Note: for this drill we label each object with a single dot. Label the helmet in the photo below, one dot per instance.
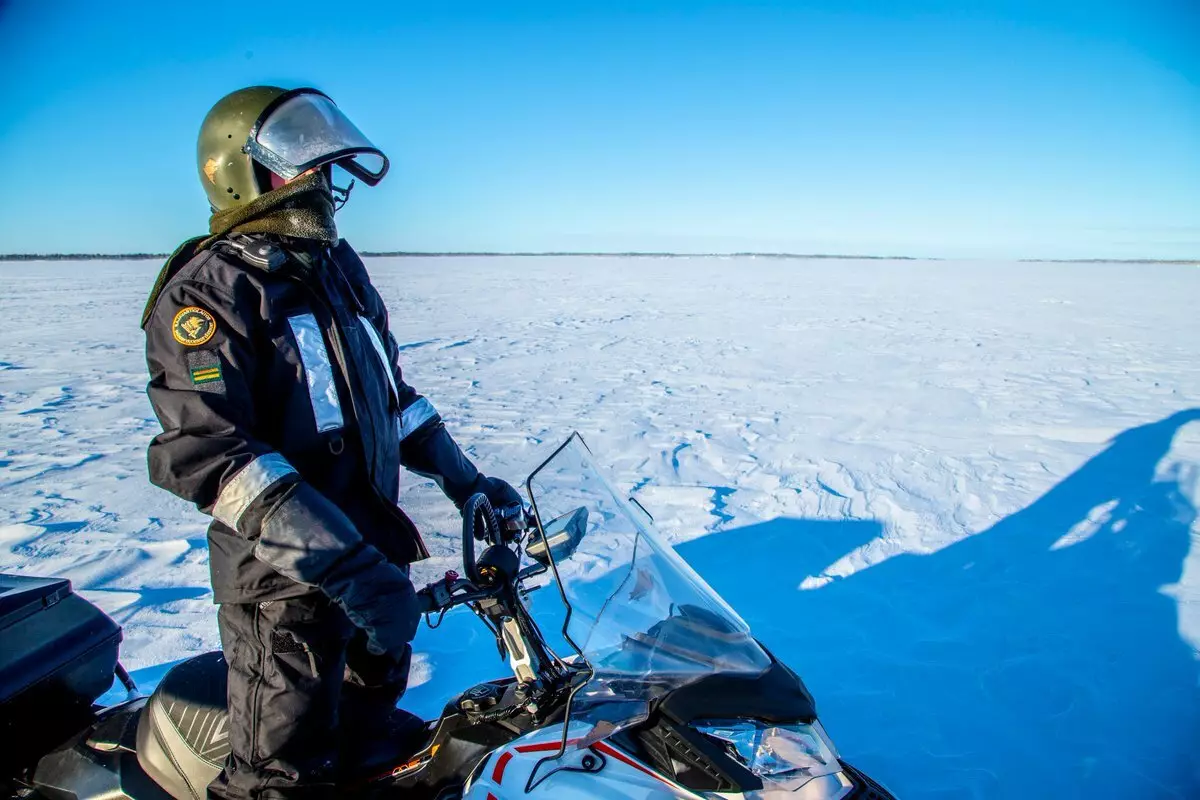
(260, 130)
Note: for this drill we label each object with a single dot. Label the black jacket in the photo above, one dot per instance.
(272, 367)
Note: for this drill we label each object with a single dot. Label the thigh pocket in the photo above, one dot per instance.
(307, 640)
(296, 653)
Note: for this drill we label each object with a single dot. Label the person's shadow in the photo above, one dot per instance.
(1012, 664)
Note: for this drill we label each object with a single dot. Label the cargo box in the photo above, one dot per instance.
(57, 651)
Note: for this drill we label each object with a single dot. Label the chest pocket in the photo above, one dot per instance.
(377, 344)
(318, 372)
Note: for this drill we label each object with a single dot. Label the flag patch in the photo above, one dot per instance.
(204, 368)
(206, 375)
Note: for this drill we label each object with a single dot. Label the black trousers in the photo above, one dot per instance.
(303, 690)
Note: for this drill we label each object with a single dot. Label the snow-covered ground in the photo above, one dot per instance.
(959, 498)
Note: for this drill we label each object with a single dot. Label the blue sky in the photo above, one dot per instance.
(983, 129)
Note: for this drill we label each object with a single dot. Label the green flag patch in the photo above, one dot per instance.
(204, 367)
(207, 375)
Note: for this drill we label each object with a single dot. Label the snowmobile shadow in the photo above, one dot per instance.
(1009, 664)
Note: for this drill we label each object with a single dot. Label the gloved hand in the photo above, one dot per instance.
(500, 494)
(378, 598)
(309, 539)
(507, 504)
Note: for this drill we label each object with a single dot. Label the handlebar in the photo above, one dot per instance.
(483, 523)
(441, 596)
(480, 522)
(492, 590)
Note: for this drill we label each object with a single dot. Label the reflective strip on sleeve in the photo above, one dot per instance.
(322, 391)
(415, 416)
(377, 343)
(248, 485)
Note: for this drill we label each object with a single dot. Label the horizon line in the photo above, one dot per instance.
(620, 254)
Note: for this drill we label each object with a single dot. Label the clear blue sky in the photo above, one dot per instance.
(986, 129)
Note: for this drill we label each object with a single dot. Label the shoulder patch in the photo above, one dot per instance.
(193, 326)
(204, 368)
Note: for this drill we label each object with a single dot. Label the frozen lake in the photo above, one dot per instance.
(959, 498)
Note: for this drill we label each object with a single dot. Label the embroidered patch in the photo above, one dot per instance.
(206, 375)
(204, 367)
(193, 326)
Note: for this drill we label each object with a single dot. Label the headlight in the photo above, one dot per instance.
(784, 757)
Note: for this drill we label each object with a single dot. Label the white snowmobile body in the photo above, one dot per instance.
(603, 770)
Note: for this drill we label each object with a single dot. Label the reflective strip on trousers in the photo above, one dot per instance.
(377, 343)
(318, 371)
(249, 484)
(415, 416)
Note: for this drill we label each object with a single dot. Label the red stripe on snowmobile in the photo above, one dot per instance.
(491, 796)
(543, 747)
(608, 750)
(501, 763)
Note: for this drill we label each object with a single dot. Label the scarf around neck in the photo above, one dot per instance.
(302, 209)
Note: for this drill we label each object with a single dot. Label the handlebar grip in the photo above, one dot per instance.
(426, 602)
(477, 513)
(438, 595)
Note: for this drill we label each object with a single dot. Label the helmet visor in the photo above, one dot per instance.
(306, 130)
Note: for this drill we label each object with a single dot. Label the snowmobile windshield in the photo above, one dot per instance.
(303, 129)
(642, 618)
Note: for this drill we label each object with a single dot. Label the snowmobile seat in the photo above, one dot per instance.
(183, 733)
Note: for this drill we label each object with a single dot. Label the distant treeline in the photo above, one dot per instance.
(630, 254)
(473, 254)
(574, 254)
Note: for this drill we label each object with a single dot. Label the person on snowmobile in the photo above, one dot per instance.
(286, 418)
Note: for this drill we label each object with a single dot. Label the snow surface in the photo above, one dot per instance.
(959, 498)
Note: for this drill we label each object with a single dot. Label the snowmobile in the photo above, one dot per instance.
(630, 678)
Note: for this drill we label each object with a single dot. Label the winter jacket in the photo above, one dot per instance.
(276, 378)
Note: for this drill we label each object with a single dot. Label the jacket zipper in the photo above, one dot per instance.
(340, 355)
(358, 304)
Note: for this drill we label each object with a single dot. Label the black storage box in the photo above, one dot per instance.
(57, 651)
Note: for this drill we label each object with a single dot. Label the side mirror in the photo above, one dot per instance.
(563, 534)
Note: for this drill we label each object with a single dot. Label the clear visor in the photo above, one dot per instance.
(308, 131)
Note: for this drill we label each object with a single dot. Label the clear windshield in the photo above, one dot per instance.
(643, 619)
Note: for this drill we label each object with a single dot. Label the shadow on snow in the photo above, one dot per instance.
(997, 666)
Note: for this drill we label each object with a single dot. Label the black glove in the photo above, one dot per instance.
(502, 496)
(507, 504)
(377, 597)
(308, 539)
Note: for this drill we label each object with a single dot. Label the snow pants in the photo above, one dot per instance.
(303, 689)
